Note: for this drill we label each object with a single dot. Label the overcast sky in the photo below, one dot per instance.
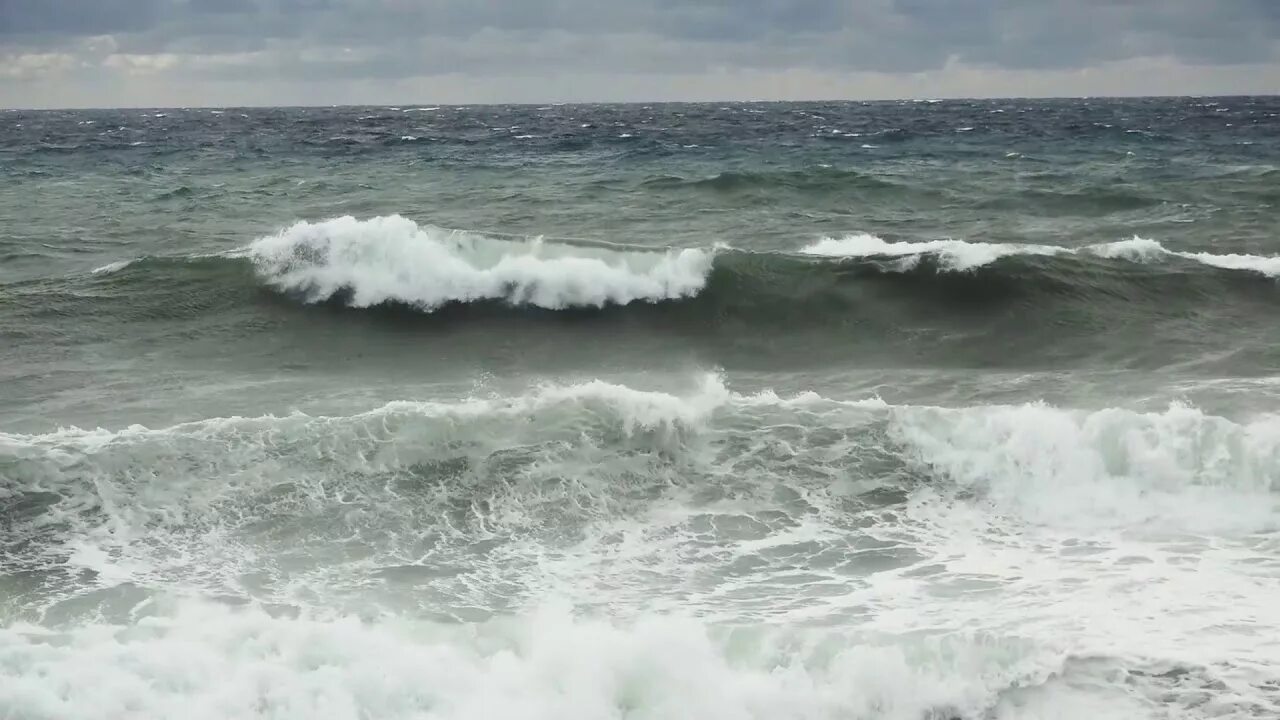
(75, 53)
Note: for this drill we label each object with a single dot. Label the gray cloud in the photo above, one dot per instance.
(139, 43)
(62, 18)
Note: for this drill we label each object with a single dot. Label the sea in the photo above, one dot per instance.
(938, 410)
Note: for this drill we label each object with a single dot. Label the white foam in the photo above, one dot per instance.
(959, 255)
(1144, 250)
(634, 409)
(1269, 266)
(998, 501)
(163, 505)
(200, 661)
(955, 255)
(393, 259)
(112, 267)
(1136, 249)
(1109, 468)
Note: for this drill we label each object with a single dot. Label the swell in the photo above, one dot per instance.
(812, 180)
(207, 502)
(1061, 195)
(1044, 464)
(947, 303)
(392, 263)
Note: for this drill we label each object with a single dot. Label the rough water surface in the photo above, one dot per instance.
(858, 411)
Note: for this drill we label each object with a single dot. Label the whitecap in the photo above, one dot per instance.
(1137, 249)
(1180, 468)
(959, 255)
(193, 658)
(393, 259)
(112, 267)
(954, 254)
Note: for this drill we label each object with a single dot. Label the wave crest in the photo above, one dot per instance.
(955, 255)
(959, 255)
(393, 259)
(1108, 468)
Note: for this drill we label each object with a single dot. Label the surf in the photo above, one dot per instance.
(393, 259)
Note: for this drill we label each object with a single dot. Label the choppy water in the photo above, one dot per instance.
(889, 410)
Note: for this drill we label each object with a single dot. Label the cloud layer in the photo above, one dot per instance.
(184, 52)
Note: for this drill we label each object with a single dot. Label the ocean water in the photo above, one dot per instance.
(903, 411)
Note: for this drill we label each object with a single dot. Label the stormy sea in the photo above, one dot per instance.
(959, 410)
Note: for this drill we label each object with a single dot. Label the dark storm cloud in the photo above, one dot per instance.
(403, 38)
(78, 17)
(1061, 34)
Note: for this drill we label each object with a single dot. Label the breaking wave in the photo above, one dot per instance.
(537, 502)
(393, 259)
(959, 255)
(954, 254)
(951, 298)
(246, 662)
(1043, 463)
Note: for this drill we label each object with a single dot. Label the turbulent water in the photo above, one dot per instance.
(902, 411)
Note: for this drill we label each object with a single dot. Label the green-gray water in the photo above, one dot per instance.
(883, 410)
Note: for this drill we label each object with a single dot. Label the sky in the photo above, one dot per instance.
(165, 53)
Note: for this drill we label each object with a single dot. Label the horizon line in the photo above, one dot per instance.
(927, 99)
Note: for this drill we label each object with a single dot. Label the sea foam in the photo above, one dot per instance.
(203, 661)
(1180, 468)
(1112, 466)
(393, 259)
(959, 255)
(955, 254)
(597, 490)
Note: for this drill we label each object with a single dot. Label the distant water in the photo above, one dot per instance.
(831, 410)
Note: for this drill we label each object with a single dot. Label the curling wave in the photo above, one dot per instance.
(1033, 456)
(393, 259)
(945, 301)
